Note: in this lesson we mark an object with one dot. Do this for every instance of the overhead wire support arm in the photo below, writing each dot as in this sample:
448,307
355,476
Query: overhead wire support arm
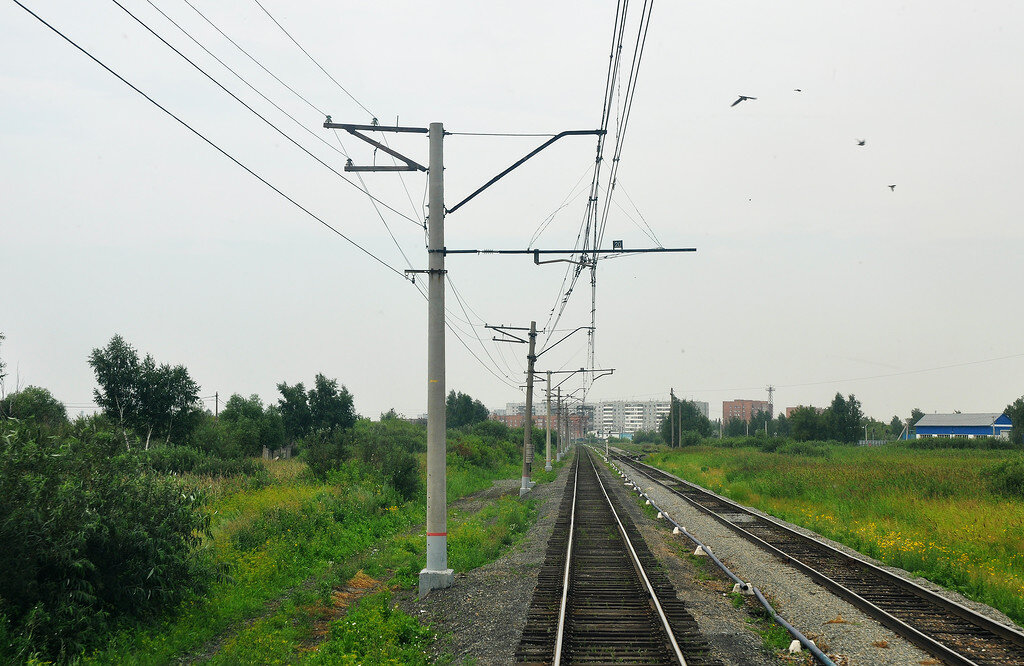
563,339
533,152
354,130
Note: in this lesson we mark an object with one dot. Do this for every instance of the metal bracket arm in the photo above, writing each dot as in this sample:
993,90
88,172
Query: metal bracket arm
536,150
410,165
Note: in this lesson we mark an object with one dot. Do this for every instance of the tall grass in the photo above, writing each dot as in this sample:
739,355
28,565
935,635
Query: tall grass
932,512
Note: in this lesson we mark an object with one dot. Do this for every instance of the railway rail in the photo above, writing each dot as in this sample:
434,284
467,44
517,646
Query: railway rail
949,631
601,596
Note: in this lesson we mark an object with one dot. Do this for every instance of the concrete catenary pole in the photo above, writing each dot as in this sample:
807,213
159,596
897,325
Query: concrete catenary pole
528,417
558,423
436,574
547,429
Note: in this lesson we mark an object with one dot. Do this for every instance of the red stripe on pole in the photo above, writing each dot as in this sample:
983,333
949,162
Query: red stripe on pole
437,534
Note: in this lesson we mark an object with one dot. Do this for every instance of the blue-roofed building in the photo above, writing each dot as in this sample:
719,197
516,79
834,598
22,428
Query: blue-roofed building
963,425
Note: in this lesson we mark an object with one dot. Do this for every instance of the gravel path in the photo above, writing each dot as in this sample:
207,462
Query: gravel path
480,619
840,630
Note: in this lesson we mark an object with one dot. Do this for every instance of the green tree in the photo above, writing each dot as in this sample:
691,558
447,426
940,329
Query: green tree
249,427
735,428
685,417
117,370
759,422
843,419
781,426
294,407
36,403
895,427
330,408
1015,410
461,410
147,398
805,424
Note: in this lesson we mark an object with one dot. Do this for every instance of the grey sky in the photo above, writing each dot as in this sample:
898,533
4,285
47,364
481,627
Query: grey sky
810,271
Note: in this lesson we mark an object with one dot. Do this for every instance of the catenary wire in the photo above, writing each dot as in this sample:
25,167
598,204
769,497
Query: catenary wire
251,57
312,59
255,112
210,142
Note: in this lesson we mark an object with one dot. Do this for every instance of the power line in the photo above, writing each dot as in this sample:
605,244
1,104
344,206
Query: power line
251,57
254,111
209,141
312,59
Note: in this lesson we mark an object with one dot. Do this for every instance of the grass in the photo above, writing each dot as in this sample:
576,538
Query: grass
927,511
287,543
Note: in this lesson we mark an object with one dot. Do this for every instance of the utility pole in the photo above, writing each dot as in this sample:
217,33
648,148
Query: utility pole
531,358
216,404
561,435
671,420
436,573
547,423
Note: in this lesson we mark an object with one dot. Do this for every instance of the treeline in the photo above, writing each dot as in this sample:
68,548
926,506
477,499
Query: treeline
102,517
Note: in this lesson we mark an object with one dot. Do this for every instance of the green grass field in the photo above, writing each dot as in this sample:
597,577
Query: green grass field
931,512
287,546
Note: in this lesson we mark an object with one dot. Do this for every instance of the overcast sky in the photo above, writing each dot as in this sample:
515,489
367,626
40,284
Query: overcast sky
811,274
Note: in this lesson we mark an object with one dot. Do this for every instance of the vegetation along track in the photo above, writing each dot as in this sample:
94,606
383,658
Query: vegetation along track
950,631
601,596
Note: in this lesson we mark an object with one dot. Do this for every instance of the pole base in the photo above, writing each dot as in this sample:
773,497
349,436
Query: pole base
547,468
435,580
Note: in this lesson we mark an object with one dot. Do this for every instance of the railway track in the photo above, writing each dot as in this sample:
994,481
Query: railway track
949,631
601,596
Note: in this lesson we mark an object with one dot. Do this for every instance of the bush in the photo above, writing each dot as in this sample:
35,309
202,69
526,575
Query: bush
35,403
90,537
813,449
184,459
1007,478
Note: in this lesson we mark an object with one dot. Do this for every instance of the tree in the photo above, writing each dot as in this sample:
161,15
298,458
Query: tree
895,426
294,407
36,403
805,423
330,408
735,428
117,368
1015,410
759,422
461,409
249,427
781,426
684,417
142,396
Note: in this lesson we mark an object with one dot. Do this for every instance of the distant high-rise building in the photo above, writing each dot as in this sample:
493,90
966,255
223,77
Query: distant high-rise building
744,410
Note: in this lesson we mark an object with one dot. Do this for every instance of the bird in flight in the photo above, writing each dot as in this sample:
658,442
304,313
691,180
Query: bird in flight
861,142
742,98
797,90
892,187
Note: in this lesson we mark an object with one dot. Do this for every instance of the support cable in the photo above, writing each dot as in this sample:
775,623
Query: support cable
254,111
209,141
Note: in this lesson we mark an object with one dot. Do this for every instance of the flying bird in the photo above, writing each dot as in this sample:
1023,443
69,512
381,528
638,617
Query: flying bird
797,90
861,142
742,98
892,187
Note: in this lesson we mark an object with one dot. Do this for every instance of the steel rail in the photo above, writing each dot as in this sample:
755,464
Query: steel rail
898,625
639,568
565,578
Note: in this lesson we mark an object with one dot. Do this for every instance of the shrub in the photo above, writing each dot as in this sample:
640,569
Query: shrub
814,449
36,403
91,537
1007,478
184,459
